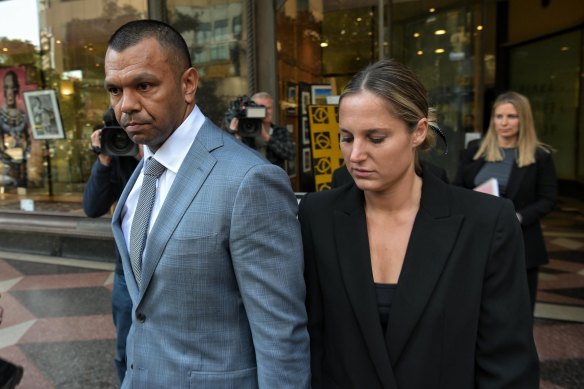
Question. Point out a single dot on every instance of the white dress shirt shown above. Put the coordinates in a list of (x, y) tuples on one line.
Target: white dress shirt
[(171, 154)]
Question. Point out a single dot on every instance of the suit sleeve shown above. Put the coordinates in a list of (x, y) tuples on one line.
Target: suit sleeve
[(313, 297), (505, 355), (101, 190), (266, 251), (546, 191)]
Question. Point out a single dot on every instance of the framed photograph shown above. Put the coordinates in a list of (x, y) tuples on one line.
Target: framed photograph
[(44, 115), (320, 92), (292, 98), (305, 131), (306, 161)]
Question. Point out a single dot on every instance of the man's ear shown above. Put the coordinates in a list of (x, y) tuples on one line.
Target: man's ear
[(190, 82)]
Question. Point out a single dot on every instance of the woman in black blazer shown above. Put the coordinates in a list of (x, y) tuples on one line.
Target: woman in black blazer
[(411, 283), (524, 170)]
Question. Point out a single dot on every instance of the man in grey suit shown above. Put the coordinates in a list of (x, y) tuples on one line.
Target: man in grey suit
[(218, 290)]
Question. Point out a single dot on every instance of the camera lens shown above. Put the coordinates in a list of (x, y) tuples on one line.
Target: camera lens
[(121, 141), (115, 141), (249, 127)]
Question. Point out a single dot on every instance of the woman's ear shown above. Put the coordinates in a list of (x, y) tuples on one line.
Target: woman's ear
[(420, 132)]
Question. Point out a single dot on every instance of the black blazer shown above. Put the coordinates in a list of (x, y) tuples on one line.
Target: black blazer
[(460, 317), (533, 190)]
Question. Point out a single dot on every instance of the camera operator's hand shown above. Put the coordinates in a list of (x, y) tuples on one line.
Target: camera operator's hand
[(233, 128), (265, 133), (104, 159)]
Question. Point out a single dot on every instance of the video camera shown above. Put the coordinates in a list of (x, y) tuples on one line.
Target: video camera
[(114, 140), (249, 114)]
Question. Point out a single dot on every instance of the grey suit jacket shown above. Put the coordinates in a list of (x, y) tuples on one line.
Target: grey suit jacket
[(222, 297)]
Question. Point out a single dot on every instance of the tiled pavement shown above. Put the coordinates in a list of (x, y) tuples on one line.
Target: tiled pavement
[(57, 320), (559, 326)]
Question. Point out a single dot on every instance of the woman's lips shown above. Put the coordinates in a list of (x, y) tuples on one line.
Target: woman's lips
[(361, 173)]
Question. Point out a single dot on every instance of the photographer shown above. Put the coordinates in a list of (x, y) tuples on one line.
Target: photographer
[(273, 142), (109, 175)]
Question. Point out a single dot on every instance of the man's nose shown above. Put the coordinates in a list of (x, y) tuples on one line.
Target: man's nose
[(130, 102)]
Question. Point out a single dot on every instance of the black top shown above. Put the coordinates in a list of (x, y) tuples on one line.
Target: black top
[(384, 293), (501, 170)]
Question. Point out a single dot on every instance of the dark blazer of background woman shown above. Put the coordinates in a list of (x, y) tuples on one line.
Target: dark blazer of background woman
[(460, 316), (532, 189)]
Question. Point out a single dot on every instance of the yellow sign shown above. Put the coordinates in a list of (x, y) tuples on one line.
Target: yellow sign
[(324, 141)]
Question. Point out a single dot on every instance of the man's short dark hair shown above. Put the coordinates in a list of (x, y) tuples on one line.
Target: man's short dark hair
[(134, 32)]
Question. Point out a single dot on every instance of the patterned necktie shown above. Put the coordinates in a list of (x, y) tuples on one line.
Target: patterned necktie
[(141, 220)]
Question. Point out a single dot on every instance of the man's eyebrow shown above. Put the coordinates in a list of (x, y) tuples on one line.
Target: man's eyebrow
[(142, 77), (107, 84)]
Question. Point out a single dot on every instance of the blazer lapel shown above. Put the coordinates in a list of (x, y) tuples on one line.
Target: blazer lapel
[(350, 229), (514, 181), (193, 172), (471, 172), (432, 239)]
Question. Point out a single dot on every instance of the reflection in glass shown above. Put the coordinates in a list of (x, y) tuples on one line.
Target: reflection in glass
[(215, 34)]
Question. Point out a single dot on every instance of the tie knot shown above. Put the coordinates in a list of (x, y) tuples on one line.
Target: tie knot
[(153, 168)]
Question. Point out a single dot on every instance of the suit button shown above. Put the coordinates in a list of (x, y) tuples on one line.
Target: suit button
[(141, 317)]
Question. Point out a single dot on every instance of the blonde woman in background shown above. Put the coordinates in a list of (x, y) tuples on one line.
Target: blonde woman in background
[(524, 169)]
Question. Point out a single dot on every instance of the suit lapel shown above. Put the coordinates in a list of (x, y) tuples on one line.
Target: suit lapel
[(350, 229), (193, 172), (119, 234), (432, 239)]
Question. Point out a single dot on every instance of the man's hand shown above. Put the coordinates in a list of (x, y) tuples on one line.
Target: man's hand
[(265, 134), (233, 128)]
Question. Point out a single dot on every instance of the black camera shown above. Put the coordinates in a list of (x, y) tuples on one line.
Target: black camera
[(249, 114), (115, 142)]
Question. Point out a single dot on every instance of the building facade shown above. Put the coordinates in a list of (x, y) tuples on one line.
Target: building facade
[(465, 51)]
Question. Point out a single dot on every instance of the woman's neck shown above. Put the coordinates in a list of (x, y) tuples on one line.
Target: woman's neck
[(404, 196), (507, 143)]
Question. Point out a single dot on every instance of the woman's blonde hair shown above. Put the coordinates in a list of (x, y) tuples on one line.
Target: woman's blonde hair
[(527, 142), (402, 90)]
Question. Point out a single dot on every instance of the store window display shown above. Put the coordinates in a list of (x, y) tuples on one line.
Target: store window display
[(15, 143)]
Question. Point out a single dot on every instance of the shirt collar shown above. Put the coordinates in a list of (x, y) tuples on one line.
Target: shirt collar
[(173, 151)]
